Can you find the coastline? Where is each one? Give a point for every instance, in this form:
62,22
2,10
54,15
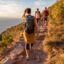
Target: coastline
6,23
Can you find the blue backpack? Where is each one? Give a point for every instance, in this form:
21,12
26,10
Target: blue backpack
30,24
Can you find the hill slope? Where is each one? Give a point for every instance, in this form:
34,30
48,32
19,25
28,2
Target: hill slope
54,41
8,37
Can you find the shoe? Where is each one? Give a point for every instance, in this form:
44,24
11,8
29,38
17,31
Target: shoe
27,57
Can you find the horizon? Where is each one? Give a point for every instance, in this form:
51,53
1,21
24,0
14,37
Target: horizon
15,8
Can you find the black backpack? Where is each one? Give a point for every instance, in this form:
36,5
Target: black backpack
30,24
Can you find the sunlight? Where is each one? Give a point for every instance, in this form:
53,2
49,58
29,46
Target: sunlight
15,8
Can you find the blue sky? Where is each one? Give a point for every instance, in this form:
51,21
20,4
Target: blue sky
15,8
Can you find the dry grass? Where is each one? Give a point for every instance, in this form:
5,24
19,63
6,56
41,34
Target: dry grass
54,41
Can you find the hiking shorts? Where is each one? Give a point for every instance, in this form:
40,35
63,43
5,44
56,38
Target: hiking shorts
28,46
38,21
46,18
29,38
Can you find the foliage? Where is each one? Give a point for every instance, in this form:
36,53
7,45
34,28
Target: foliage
54,41
6,37
56,22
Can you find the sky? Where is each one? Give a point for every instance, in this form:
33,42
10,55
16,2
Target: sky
15,8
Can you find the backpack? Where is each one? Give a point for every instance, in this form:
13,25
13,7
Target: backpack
30,24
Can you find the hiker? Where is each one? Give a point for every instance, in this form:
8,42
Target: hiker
46,14
29,31
38,16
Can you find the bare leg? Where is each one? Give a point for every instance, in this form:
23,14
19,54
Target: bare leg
27,50
31,46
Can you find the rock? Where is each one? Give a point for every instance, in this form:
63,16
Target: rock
7,60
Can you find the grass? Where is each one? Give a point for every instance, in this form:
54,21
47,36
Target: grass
54,41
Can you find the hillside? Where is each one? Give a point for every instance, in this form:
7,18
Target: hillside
9,37
54,41
17,54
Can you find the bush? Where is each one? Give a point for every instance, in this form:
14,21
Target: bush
7,39
54,41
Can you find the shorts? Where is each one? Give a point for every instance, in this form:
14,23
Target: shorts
46,18
38,21
29,38
28,46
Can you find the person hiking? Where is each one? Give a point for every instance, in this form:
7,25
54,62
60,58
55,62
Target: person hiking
46,14
29,31
38,15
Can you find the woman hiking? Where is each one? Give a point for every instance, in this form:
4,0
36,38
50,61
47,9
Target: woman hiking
29,31
38,19
38,16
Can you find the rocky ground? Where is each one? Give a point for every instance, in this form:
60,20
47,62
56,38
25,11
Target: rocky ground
37,55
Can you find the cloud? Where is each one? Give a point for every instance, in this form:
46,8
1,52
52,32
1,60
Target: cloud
10,9
39,4
15,8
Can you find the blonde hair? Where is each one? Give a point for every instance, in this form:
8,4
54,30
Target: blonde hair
23,16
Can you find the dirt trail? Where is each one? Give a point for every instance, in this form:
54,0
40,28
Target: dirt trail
37,55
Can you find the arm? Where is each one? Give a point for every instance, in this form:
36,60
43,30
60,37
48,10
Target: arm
35,13
23,21
36,26
40,13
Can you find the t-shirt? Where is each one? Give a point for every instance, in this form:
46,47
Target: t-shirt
46,13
